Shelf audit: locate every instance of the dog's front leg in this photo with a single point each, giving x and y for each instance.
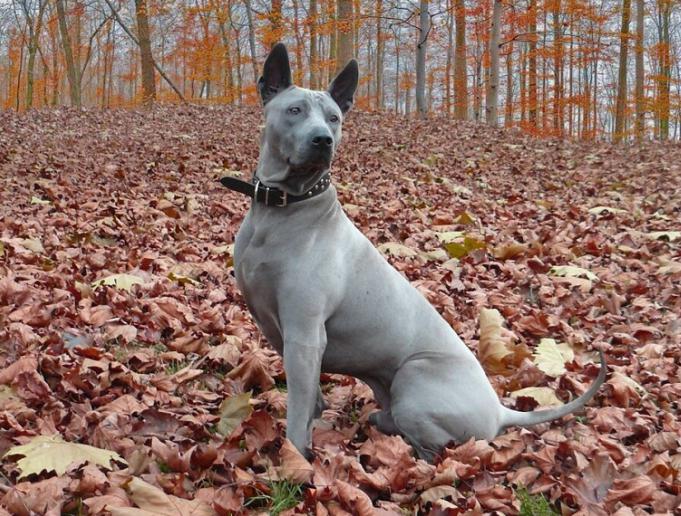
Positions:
(303, 353)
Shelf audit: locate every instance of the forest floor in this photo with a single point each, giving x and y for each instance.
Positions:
(575, 242)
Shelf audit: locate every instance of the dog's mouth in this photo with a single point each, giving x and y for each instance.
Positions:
(303, 176)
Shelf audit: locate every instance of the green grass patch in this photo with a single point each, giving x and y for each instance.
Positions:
(534, 505)
(283, 495)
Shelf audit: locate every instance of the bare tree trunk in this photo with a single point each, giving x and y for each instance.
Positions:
(147, 60)
(379, 54)
(448, 62)
(523, 80)
(508, 118)
(333, 39)
(492, 90)
(344, 31)
(640, 71)
(460, 68)
(397, 74)
(314, 50)
(72, 70)
(222, 16)
(34, 26)
(424, 29)
(557, 70)
(665, 7)
(620, 109)
(532, 86)
(251, 40)
(299, 69)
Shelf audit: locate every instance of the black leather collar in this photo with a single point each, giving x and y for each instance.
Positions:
(271, 196)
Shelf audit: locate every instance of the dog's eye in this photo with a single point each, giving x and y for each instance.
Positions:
(294, 110)
(333, 119)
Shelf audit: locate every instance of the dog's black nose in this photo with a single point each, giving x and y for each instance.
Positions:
(322, 141)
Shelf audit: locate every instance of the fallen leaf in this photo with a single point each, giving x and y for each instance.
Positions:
(119, 281)
(153, 501)
(52, 453)
(545, 396)
(551, 357)
(233, 411)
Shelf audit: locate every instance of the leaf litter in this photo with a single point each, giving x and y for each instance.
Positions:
(561, 248)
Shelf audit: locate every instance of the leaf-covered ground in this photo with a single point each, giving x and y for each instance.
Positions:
(140, 364)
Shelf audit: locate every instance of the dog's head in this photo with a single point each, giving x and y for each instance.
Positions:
(302, 127)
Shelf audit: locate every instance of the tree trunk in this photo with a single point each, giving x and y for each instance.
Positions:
(314, 51)
(640, 71)
(460, 68)
(424, 29)
(222, 16)
(300, 67)
(344, 34)
(557, 70)
(333, 37)
(34, 29)
(147, 60)
(72, 70)
(665, 8)
(508, 119)
(532, 86)
(492, 90)
(379, 55)
(448, 62)
(620, 109)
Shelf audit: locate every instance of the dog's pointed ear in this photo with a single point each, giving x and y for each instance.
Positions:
(343, 87)
(276, 74)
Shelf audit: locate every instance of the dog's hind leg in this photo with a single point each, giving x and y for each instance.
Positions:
(321, 405)
(382, 419)
(430, 408)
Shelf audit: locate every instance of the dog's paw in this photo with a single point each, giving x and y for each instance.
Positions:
(308, 454)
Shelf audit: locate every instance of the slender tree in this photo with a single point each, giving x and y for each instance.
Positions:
(312, 22)
(146, 58)
(492, 90)
(421, 46)
(460, 66)
(344, 51)
(72, 68)
(620, 109)
(532, 58)
(640, 71)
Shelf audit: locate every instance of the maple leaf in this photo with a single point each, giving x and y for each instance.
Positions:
(294, 467)
(572, 271)
(669, 236)
(598, 210)
(119, 281)
(233, 411)
(463, 248)
(544, 396)
(397, 249)
(52, 453)
(551, 357)
(152, 501)
(496, 349)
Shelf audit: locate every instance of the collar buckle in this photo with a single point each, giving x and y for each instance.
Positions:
(284, 200)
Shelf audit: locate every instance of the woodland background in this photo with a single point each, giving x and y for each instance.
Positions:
(579, 68)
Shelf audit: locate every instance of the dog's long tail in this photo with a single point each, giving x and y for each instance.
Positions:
(515, 418)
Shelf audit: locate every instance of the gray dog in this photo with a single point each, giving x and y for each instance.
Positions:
(328, 301)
